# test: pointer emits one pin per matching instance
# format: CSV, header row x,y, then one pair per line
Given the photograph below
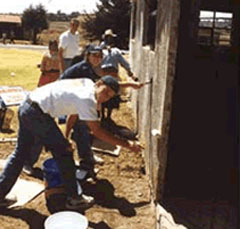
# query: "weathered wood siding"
x,y
152,104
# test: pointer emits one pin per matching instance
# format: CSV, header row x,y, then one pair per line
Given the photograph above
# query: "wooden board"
x,y
104,147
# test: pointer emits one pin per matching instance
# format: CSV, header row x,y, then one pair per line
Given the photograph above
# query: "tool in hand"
x,y
148,82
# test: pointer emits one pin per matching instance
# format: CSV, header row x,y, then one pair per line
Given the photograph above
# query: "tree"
x,y
35,20
110,14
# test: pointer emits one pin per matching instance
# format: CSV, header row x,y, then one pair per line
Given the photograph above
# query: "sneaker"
x,y
7,201
92,175
28,170
81,174
80,202
98,160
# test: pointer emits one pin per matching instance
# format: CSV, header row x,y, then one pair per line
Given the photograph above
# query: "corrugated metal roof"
x,y
10,18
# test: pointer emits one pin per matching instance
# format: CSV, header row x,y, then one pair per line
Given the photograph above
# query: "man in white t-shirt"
x,y
36,120
69,45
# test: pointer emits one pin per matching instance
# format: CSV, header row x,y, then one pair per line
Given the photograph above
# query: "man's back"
x,y
79,70
66,97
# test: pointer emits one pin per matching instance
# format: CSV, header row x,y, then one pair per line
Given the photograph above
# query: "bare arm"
x,y
70,122
133,84
43,64
61,63
124,63
131,75
102,134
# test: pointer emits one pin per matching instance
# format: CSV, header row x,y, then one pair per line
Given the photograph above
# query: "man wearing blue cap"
x,y
80,132
83,69
36,120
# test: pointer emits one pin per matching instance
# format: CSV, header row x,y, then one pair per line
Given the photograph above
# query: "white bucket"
x,y
66,220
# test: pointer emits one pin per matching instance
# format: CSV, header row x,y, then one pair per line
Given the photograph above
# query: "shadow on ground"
x,y
33,218
101,225
103,193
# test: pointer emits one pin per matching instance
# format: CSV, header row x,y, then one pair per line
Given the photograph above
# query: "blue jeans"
x,y
33,123
35,152
83,140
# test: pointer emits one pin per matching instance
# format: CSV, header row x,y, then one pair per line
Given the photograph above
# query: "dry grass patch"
x,y
19,68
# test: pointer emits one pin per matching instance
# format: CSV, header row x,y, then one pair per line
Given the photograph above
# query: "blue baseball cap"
x,y
111,82
94,49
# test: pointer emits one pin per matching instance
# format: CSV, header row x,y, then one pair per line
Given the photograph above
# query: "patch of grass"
x,y
19,68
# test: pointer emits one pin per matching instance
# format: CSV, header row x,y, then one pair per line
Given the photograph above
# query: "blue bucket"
x,y
51,173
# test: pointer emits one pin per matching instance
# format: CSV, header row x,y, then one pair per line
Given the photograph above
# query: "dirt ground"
x,y
121,191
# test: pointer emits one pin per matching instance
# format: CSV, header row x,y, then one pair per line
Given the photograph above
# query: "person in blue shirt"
x,y
80,134
87,68
36,114
112,56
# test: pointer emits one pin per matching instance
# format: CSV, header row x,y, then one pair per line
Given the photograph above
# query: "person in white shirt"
x,y
36,120
69,45
112,58
68,49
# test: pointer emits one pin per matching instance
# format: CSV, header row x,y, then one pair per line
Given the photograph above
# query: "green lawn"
x,y
19,68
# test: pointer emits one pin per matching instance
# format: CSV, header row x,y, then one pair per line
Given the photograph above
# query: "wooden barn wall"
x,y
152,104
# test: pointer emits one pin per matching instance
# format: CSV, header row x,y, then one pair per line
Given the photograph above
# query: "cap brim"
x,y
95,52
111,35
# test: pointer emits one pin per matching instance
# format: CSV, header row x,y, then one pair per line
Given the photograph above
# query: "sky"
x,y
52,6
218,14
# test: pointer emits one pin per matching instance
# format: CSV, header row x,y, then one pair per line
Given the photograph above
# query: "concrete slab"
x,y
24,190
